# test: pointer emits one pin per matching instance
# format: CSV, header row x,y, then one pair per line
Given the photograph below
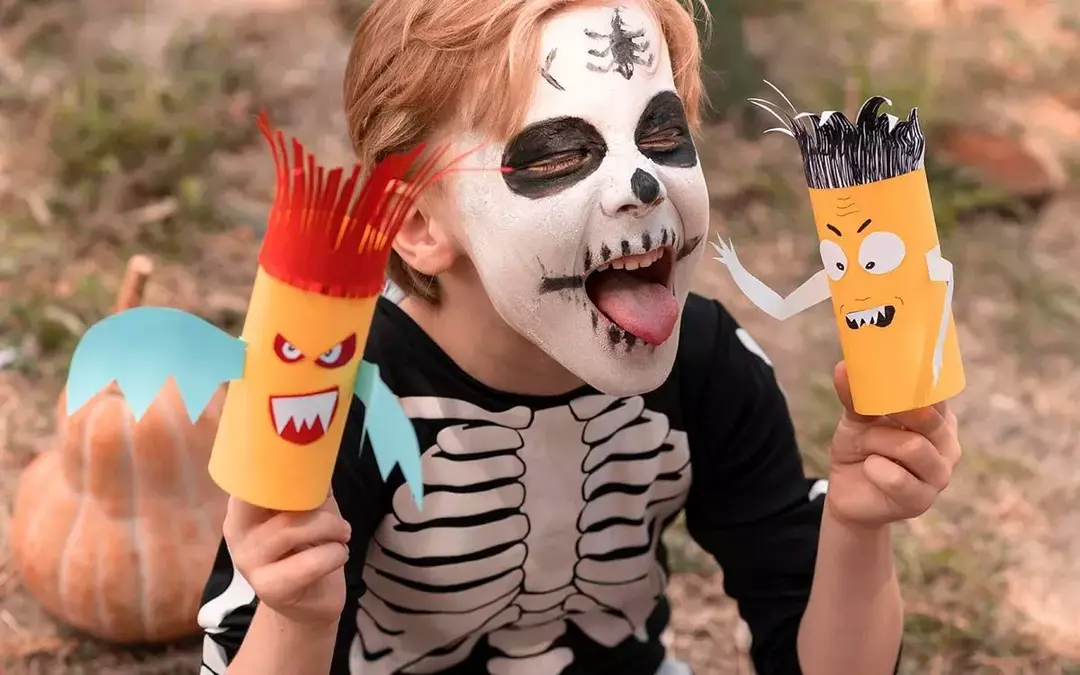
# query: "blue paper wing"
x,y
141,348
393,437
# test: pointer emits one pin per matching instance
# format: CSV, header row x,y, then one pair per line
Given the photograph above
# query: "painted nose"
x,y
634,195
645,187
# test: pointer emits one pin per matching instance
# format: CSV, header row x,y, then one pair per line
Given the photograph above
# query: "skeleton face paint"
x,y
588,242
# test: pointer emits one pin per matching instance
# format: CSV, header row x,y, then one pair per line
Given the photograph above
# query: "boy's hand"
x,y
293,560
890,468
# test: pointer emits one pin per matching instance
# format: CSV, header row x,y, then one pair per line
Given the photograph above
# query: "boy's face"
x,y
587,243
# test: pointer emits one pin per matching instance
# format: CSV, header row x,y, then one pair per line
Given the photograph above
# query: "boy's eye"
x,y
662,141
558,164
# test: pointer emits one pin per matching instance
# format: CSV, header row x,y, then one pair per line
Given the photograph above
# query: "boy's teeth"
x,y
633,262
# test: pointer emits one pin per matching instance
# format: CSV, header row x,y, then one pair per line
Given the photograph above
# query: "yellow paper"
x,y
283,420
889,366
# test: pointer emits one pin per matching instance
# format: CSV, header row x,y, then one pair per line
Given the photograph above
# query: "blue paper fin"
x,y
141,348
393,437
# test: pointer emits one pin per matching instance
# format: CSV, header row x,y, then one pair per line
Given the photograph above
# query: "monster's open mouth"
x,y
304,419
878,316
634,292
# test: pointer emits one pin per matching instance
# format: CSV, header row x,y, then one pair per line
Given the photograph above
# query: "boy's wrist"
x,y
306,630
853,528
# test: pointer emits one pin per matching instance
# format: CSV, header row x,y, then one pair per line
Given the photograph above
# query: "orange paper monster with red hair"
x,y
299,359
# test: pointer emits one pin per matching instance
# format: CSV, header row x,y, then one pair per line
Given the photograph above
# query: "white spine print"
x,y
490,554
212,616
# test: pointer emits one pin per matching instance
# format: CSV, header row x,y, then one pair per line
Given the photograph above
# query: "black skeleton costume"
x,y
538,550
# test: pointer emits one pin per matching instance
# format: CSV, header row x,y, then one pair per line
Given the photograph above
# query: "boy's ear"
x,y
425,241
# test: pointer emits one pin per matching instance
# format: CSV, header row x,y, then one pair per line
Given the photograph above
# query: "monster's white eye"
x,y
881,252
287,351
833,258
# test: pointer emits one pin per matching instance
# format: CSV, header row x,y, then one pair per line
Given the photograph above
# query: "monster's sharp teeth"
x,y
281,413
311,410
303,411
618,264
326,405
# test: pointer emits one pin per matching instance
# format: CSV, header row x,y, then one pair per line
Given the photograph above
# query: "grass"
x,y
133,142
131,165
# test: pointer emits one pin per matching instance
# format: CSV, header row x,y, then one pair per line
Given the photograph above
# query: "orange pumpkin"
x,y
115,531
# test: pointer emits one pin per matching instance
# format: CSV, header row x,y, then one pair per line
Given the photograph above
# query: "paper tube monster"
x,y
891,289
298,362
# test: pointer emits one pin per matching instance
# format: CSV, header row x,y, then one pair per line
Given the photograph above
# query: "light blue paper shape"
x,y
141,348
392,435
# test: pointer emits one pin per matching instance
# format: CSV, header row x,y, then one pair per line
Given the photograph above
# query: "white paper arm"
x,y
941,270
813,291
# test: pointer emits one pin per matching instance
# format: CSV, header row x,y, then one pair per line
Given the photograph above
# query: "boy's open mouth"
x,y
634,293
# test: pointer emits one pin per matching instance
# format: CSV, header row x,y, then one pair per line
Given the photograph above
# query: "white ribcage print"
x,y
531,519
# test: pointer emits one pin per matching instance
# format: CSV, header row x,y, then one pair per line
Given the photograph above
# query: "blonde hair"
x,y
416,65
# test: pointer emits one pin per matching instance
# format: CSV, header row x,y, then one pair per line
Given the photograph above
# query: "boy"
x,y
571,395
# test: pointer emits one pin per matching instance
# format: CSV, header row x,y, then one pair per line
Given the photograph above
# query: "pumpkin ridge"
x,y
140,548
190,483
80,513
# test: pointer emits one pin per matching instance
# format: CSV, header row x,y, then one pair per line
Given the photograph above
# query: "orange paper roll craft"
x,y
321,269
891,289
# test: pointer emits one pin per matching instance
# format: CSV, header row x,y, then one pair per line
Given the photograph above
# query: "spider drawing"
x,y
623,48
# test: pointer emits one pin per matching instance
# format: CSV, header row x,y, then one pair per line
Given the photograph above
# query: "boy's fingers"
x,y
284,579
937,424
843,390
242,517
908,449
276,538
899,485
330,504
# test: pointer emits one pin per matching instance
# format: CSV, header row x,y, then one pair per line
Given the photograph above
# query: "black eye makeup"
x,y
663,134
550,156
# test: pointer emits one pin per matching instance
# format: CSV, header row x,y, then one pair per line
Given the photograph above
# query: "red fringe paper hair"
x,y
319,239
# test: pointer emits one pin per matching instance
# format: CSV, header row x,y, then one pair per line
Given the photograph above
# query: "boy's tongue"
x,y
642,308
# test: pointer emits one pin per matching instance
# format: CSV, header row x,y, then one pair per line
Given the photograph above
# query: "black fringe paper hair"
x,y
839,154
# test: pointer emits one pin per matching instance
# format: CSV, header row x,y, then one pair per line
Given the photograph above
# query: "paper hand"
x,y
813,291
393,438
142,348
941,270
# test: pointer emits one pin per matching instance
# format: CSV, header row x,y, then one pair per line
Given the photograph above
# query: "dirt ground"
x,y
990,578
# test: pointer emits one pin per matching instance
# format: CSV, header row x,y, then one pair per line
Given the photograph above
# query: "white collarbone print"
x,y
531,519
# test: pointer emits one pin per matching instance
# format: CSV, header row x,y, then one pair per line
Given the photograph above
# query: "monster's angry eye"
x,y
286,351
339,354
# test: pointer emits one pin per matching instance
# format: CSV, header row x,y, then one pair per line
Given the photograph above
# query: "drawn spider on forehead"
x,y
623,48
839,154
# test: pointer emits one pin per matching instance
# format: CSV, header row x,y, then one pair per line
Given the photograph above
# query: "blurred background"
x,y
127,128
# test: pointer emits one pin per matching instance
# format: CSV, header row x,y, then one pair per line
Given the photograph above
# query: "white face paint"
x,y
587,246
